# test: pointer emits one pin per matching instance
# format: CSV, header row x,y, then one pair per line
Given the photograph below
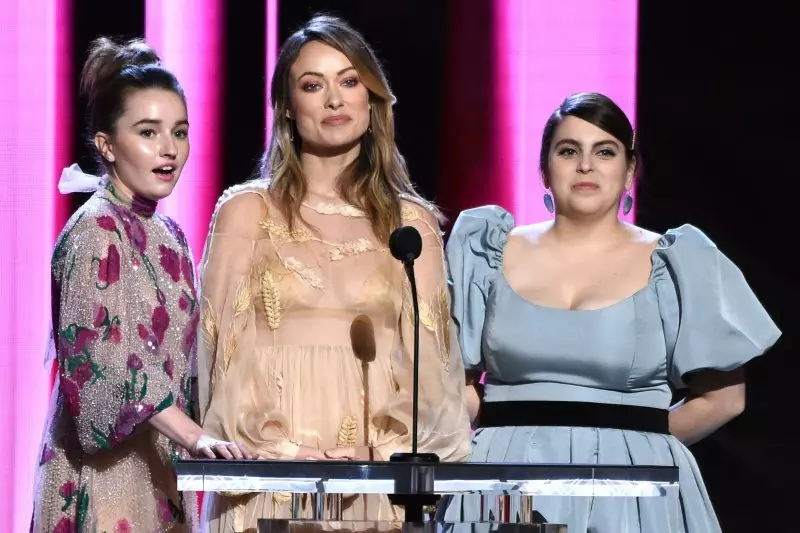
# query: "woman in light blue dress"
x,y
582,323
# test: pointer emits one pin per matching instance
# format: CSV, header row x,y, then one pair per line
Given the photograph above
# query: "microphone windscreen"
x,y
405,243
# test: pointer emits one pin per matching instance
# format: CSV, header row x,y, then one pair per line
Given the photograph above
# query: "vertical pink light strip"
x,y
546,51
271,25
32,65
187,34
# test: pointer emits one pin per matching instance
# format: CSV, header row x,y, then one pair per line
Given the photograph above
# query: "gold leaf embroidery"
x,y
306,273
345,210
435,317
356,247
271,297
210,328
281,230
281,497
243,298
409,213
231,345
348,432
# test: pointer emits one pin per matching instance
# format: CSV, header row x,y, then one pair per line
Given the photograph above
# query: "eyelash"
x,y
353,82
608,152
147,134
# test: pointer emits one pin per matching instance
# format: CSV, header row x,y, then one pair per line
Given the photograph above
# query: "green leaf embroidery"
x,y
100,438
166,402
83,507
143,391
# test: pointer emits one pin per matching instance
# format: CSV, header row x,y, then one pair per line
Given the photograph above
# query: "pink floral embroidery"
x,y
65,525
134,228
107,223
131,414
169,367
83,374
47,455
170,262
188,273
67,489
154,335
72,396
108,269
123,526
134,362
183,302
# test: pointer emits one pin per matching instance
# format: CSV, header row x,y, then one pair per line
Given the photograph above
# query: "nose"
x,y
585,164
334,98
170,148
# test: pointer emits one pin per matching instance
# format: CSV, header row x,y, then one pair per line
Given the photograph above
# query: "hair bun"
x,y
107,59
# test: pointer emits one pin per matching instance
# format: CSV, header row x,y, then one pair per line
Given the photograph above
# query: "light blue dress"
x,y
696,312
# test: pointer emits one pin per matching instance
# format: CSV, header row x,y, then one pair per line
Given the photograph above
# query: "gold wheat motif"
x,y
271,297
348,432
243,298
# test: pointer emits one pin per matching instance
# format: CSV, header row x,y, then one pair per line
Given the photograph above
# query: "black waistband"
x,y
577,414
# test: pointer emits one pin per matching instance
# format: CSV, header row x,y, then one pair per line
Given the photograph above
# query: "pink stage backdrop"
x,y
187,34
544,52
34,119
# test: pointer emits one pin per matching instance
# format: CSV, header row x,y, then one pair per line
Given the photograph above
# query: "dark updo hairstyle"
x,y
112,70
596,109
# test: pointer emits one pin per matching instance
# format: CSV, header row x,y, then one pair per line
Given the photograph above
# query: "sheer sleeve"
x,y
712,319
444,426
474,257
234,404
111,376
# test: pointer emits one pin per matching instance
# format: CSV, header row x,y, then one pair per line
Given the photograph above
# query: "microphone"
x,y
414,492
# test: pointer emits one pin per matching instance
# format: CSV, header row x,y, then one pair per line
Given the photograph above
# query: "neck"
x,y
323,168
138,204
588,230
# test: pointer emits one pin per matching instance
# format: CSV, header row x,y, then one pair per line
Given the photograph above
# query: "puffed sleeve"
x,y
711,317
475,257
234,404
112,375
443,420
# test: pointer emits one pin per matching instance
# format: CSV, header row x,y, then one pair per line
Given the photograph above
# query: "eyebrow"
x,y
157,122
595,145
321,75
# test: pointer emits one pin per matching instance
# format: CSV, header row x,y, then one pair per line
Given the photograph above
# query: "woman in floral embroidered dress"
x,y
125,317
306,329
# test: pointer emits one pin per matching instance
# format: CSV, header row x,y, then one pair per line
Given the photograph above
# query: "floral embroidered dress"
x,y
125,319
306,339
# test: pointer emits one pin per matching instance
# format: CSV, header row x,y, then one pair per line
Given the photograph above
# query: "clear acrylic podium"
x,y
508,487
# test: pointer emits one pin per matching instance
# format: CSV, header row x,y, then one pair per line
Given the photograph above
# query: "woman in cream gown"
x,y
307,328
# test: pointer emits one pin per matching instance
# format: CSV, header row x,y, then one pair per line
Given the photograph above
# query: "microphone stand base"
x,y
415,492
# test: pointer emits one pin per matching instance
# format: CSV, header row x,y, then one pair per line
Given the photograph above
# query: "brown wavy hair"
x,y
377,179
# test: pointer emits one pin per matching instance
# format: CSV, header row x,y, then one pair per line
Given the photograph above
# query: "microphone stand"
x,y
415,492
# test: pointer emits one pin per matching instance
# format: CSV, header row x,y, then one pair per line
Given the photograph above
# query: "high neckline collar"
x,y
141,206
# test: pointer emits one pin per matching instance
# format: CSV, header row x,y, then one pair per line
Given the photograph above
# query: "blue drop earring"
x,y
548,202
627,203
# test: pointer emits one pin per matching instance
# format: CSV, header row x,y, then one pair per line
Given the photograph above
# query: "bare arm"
x,y
716,398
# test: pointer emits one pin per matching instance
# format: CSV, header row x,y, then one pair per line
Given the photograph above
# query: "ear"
x,y
629,174
545,181
103,144
289,114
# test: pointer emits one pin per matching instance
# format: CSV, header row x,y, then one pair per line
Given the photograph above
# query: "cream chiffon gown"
x,y
306,339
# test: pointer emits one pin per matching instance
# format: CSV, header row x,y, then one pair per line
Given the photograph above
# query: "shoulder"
x,y
482,220
416,208
688,236
245,203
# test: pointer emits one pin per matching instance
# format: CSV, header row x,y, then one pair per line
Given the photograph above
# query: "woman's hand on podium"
x,y
309,454
353,453
211,448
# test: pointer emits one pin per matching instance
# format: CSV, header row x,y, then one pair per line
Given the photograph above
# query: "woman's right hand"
x,y
211,448
310,454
